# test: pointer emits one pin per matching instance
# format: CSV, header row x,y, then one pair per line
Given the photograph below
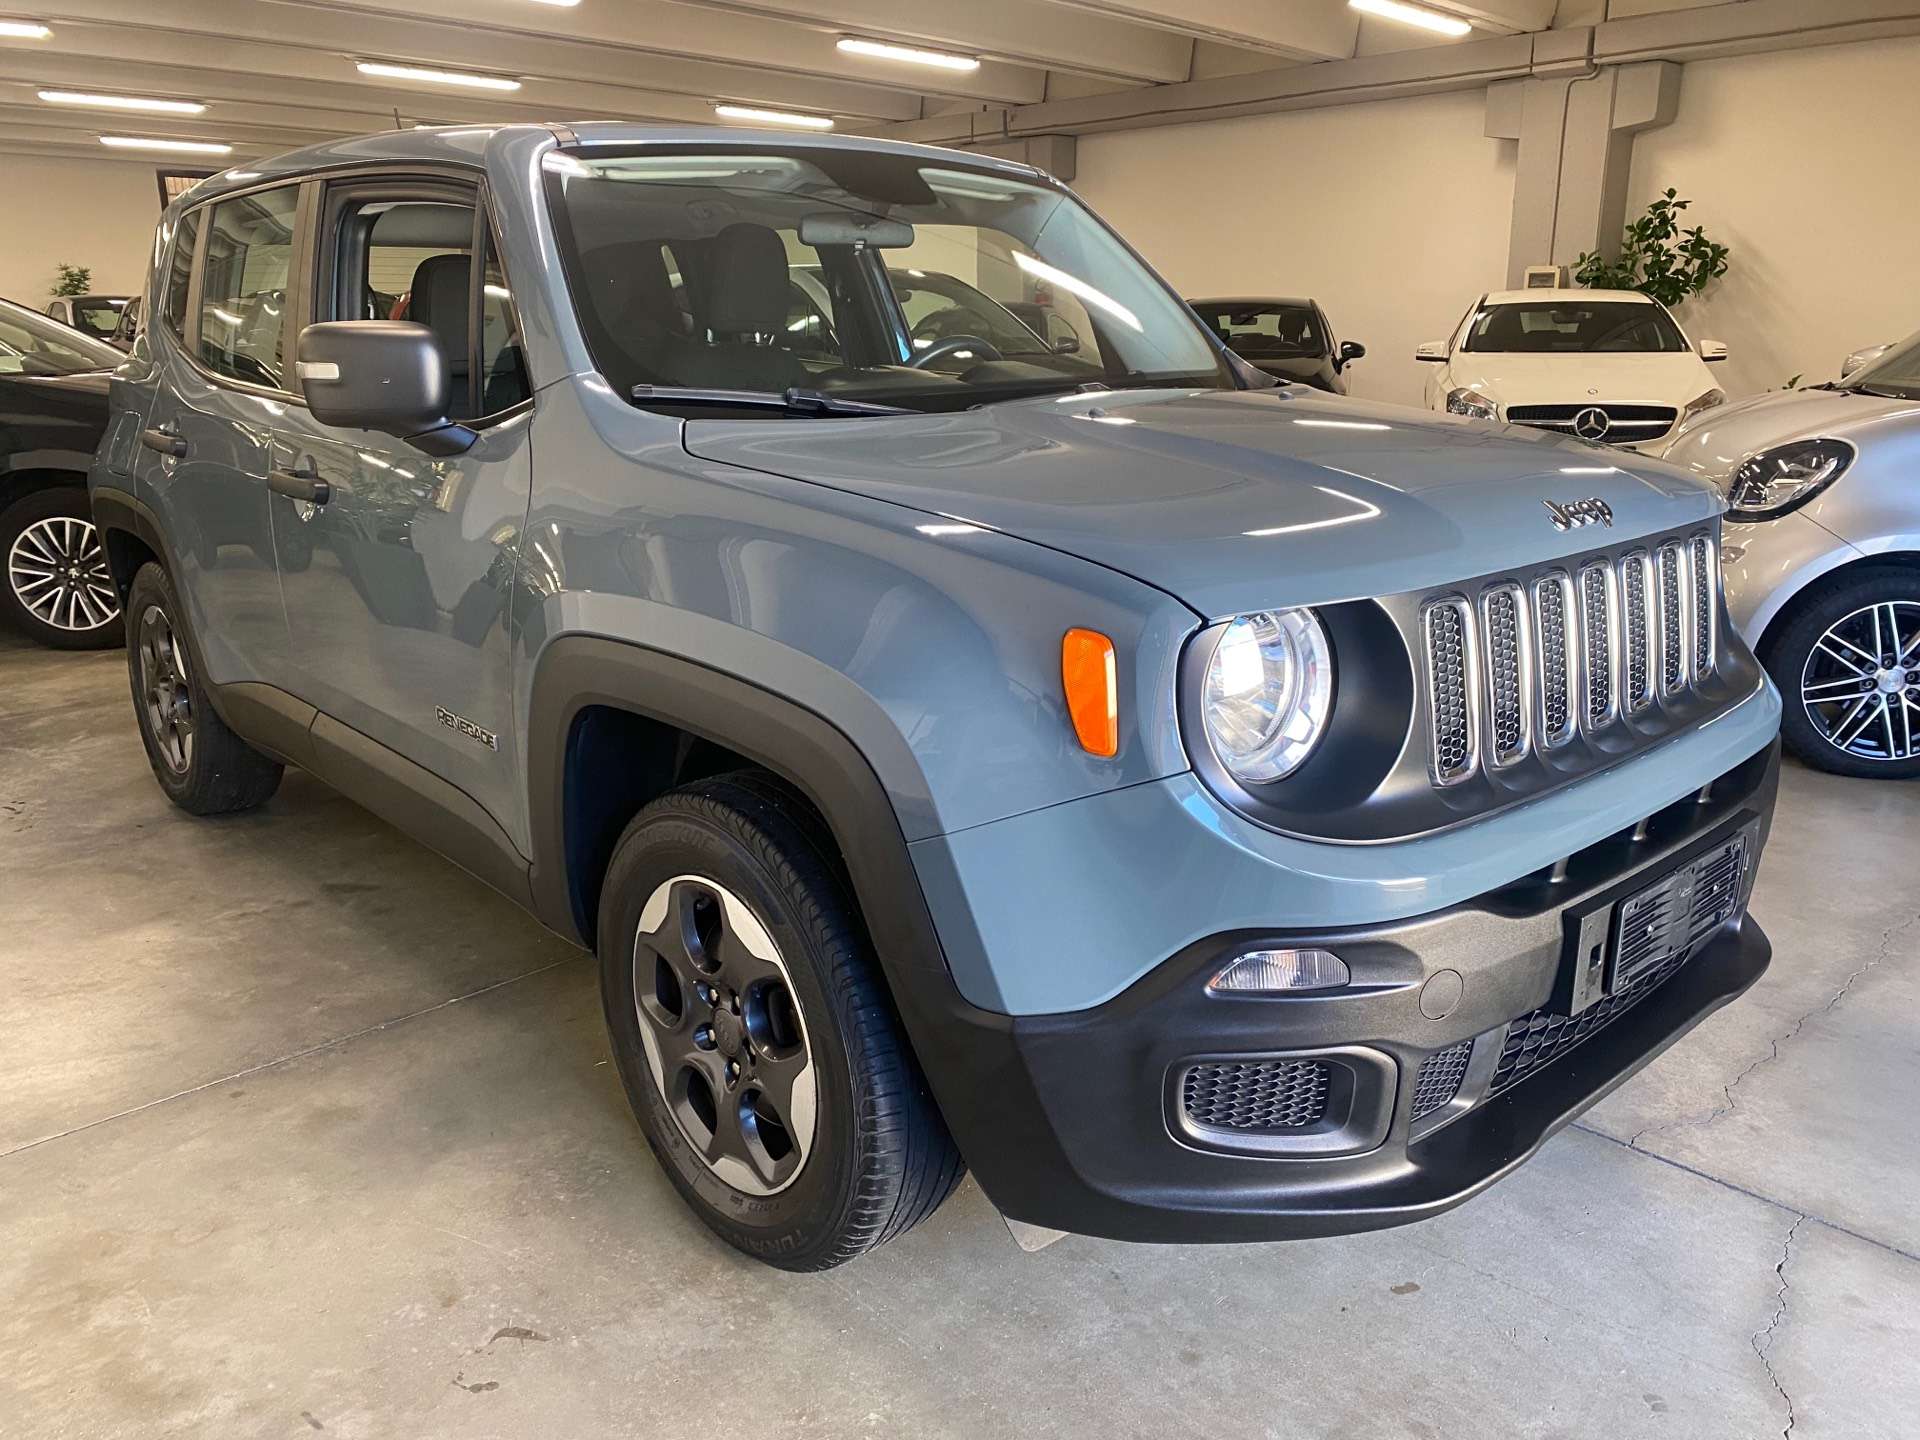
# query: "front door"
x,y
398,587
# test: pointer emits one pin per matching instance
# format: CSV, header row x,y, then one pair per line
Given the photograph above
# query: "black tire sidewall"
x,y
151,586
786,1227
1786,661
15,517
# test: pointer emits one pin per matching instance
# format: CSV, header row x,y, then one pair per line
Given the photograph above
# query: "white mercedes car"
x,y
1608,365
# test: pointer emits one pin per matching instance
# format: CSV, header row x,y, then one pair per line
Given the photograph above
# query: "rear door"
x,y
221,377
398,588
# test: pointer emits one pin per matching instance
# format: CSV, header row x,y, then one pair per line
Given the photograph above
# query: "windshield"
x,y
99,314
1896,373
1576,327
33,344
1265,331
857,274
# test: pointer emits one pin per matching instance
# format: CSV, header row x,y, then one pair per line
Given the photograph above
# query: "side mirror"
x,y
1712,351
1350,351
1434,352
1860,359
385,375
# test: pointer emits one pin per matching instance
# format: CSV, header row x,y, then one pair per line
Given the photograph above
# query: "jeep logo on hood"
x,y
1576,513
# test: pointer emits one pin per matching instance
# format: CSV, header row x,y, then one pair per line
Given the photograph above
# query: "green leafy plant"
x,y
1657,257
74,280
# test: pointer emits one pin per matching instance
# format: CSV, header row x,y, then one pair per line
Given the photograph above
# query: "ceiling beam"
x,y
543,100
329,42
1298,29
653,27
1018,31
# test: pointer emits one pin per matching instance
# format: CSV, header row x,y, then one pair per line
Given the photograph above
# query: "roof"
x,y
1565,292
472,144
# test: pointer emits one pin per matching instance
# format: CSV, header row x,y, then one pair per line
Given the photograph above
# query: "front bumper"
x,y
1075,1121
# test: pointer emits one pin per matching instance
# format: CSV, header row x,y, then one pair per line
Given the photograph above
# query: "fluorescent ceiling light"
x,y
773,117
24,30
185,147
122,102
435,77
568,4
907,54
1414,15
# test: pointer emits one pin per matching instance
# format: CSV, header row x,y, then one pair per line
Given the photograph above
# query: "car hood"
x,y
1715,444
1571,379
1288,367
1232,501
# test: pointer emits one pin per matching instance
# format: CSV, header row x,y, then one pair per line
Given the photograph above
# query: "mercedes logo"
x,y
1591,423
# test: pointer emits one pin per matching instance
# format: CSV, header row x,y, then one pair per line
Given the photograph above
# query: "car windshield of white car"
x,y
36,345
1583,327
1894,376
857,275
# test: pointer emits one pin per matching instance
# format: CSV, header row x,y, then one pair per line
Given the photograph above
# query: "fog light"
x,y
1269,971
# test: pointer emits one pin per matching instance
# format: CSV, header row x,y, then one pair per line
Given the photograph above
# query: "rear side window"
x,y
173,309
243,297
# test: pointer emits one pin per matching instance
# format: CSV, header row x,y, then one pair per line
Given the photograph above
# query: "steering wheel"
x,y
940,349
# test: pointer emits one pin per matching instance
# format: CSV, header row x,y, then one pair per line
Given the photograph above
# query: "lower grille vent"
x,y
1255,1095
1440,1077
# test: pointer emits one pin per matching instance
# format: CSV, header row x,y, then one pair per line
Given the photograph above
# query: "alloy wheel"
x,y
724,1035
1861,682
164,691
58,572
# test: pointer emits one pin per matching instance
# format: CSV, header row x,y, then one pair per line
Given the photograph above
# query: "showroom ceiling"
x,y
276,74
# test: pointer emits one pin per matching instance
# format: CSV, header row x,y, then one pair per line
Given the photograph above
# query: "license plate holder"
x,y
1614,944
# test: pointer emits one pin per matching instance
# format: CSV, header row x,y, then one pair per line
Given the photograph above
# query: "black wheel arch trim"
x,y
984,1091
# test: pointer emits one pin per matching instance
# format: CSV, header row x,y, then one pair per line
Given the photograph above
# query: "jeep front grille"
x,y
1537,659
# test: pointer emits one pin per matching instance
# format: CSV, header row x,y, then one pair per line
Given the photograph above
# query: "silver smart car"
x,y
1823,555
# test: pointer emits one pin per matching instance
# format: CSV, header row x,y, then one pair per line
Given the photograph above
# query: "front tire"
x,y
1848,666
754,1035
55,587
203,766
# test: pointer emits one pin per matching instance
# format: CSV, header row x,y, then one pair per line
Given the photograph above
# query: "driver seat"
x,y
743,317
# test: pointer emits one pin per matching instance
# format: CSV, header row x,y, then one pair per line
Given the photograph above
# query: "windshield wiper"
x,y
794,400
1875,391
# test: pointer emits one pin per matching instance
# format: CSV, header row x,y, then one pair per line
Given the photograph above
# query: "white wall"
x,y
1803,162
99,213
1394,215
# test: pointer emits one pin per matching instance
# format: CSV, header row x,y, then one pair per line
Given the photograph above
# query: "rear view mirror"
x,y
385,375
1350,351
1434,352
1712,351
835,227
1860,359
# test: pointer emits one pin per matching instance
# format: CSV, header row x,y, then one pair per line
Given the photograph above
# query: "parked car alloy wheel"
x,y
57,587
1848,666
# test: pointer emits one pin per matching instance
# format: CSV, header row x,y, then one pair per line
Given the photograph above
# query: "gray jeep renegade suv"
x,y
1208,812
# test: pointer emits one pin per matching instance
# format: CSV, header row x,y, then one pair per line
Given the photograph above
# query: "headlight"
x,y
1774,482
1269,688
1702,403
1471,402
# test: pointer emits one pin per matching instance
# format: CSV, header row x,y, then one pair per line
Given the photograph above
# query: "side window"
x,y
243,297
173,306
412,259
503,367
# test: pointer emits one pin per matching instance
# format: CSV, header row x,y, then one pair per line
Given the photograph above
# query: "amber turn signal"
x,y
1092,684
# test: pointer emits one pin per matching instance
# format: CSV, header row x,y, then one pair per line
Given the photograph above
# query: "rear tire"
x,y
754,1035
203,766
1840,706
54,584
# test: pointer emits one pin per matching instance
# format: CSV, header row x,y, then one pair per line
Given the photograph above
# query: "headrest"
x,y
439,299
746,282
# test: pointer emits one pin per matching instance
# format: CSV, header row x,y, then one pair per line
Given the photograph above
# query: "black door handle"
x,y
301,484
164,442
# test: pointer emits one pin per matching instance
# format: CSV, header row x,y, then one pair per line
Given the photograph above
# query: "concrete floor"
x,y
304,1131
